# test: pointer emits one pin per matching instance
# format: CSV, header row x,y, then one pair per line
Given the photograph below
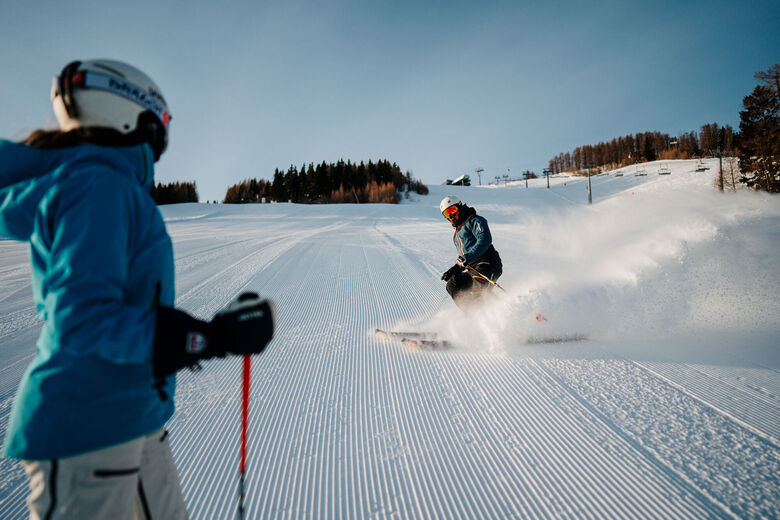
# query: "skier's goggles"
x,y
62,85
450,212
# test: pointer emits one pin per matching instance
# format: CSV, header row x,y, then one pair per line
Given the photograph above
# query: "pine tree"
x,y
759,140
292,184
758,143
278,190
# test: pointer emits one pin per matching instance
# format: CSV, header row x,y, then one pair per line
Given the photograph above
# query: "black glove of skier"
x,y
450,272
246,326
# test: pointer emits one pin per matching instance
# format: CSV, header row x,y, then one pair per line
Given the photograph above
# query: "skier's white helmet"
x,y
449,200
113,94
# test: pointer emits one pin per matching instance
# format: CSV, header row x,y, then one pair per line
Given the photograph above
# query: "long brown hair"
x,y
101,136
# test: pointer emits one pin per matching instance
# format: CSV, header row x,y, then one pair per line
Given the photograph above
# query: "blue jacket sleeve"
x,y
478,227
86,235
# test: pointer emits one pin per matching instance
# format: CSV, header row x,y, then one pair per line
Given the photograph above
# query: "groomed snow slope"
x,y
671,409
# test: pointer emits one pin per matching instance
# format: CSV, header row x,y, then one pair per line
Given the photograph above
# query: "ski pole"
x,y
485,277
244,427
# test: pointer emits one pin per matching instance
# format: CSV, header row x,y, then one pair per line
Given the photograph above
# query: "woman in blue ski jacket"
x,y
478,262
87,421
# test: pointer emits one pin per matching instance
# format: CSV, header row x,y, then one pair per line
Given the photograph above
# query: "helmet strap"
x,y
149,129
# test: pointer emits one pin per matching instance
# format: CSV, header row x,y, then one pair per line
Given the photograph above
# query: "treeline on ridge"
x,y
174,193
342,182
646,147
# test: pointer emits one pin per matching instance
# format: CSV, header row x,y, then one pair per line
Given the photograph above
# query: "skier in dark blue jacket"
x,y
87,421
478,263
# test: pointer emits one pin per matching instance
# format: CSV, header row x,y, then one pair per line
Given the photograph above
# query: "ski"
x,y
399,335
414,339
442,344
563,338
432,341
427,344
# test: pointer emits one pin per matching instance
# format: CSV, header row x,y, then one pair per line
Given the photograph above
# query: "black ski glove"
x,y
451,271
246,326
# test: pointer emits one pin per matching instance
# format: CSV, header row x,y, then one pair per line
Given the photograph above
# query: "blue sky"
x,y
439,87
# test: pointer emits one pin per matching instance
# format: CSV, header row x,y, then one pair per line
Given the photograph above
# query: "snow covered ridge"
x,y
670,409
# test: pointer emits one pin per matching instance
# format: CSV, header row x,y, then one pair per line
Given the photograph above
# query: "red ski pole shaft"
x,y
247,374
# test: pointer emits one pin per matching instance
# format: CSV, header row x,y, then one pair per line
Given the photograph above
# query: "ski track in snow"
x,y
345,426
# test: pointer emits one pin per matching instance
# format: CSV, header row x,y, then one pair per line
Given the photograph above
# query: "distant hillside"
x,y
645,147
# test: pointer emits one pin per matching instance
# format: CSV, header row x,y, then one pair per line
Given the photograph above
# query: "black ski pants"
x,y
467,286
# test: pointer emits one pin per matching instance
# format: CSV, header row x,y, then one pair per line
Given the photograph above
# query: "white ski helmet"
x,y
449,200
109,93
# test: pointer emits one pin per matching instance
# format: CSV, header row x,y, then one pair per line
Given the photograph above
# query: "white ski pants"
x,y
136,480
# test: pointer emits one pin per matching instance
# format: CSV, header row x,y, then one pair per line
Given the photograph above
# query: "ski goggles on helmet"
x,y
450,212
71,77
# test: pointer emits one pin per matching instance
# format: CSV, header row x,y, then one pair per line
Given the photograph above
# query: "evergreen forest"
x,y
341,182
